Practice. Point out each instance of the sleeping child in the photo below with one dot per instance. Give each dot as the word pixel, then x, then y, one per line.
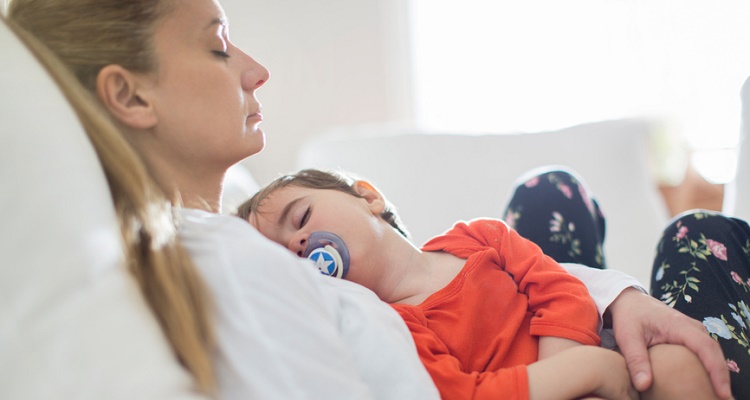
pixel 490 314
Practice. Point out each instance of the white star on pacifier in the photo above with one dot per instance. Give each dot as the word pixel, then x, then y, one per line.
pixel 322 264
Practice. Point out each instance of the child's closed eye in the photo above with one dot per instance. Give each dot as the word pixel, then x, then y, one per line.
pixel 305 218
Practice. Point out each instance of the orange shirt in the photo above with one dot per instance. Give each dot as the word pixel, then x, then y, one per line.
pixel 478 333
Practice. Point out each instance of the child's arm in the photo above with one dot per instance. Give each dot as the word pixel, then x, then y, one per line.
pixel 578 372
pixel 550 345
pixel 571 374
pixel 561 304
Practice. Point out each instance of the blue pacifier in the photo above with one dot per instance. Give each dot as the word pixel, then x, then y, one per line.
pixel 329 253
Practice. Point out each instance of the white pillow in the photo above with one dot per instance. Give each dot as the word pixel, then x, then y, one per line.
pixel 239 185
pixel 74 324
pixel 737 193
pixel 437 179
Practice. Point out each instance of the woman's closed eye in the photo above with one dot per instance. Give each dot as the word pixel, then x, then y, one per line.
pixel 221 53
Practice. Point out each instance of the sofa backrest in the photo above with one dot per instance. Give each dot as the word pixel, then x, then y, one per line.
pixel 437 179
pixel 73 323
pixel 737 192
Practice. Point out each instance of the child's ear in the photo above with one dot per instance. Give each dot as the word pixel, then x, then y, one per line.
pixel 374 198
pixel 120 92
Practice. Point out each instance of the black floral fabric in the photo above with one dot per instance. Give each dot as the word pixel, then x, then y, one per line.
pixel 701 268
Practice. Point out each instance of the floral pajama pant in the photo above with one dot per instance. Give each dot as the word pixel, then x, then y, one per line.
pixel 701 268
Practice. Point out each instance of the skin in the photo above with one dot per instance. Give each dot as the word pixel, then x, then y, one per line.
pixel 198 114
pixel 660 324
pixel 291 214
pixel 190 134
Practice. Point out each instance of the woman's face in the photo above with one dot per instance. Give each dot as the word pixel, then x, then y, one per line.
pixel 204 91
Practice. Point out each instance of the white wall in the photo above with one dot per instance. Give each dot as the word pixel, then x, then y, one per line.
pixel 332 62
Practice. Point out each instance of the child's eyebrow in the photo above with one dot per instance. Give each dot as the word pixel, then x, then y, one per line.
pixel 287 208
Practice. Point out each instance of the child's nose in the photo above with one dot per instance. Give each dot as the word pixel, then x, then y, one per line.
pixel 298 246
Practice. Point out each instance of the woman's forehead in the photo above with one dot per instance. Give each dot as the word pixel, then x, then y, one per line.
pixel 195 16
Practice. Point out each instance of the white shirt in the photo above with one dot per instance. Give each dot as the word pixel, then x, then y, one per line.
pixel 285 331
pixel 604 286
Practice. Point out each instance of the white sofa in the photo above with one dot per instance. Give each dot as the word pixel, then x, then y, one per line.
pixel 73 324
pixel 437 179
pixel 737 193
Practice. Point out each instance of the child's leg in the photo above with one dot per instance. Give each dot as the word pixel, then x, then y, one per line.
pixel 678 375
pixel 554 210
pixel 702 269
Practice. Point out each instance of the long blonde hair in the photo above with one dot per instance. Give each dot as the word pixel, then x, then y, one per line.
pixel 74 39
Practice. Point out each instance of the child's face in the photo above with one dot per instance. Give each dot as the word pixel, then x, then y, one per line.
pixel 289 215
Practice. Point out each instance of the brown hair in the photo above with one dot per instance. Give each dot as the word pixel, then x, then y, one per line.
pixel 74 39
pixel 317 179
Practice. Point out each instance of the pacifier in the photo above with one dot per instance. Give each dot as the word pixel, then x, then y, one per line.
pixel 329 253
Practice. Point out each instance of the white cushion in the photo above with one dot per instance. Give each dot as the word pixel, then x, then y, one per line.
pixel 239 185
pixel 74 324
pixel 437 179
pixel 737 193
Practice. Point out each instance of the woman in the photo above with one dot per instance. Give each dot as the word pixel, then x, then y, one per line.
pixel 273 332
pixel 169 104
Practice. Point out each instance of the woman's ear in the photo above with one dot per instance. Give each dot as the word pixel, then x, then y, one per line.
pixel 374 198
pixel 119 90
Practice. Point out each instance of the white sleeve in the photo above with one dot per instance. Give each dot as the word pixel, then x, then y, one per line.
pixel 286 331
pixel 604 285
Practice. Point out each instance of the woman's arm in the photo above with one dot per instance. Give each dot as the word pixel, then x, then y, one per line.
pixel 640 321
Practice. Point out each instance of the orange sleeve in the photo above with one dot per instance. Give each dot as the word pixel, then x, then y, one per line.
pixel 447 372
pixel 561 304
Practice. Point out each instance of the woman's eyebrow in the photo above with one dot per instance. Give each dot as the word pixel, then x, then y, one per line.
pixel 287 208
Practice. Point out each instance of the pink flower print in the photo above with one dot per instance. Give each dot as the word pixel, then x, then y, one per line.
pixel 736 277
pixel 532 182
pixel 733 366
pixel 565 189
pixel 718 249
pixel 681 233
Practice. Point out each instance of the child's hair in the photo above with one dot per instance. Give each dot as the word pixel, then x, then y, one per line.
pixel 317 179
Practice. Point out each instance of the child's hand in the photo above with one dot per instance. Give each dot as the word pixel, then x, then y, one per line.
pixel 550 345
pixel 612 375
pixel 581 371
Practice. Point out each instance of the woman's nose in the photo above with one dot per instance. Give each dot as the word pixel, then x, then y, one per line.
pixel 254 75
pixel 298 245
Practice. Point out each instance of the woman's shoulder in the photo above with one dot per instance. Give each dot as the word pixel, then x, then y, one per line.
pixel 216 241
pixel 195 221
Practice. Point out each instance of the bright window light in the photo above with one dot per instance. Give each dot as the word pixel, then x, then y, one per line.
pixel 508 66
pixel 717 166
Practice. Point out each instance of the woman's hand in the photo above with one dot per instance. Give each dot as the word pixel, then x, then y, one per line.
pixel 640 321
pixel 581 371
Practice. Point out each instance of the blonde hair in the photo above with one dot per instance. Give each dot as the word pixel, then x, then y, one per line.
pixel 74 39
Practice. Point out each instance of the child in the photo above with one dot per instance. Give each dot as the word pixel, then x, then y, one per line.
pixel 490 314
